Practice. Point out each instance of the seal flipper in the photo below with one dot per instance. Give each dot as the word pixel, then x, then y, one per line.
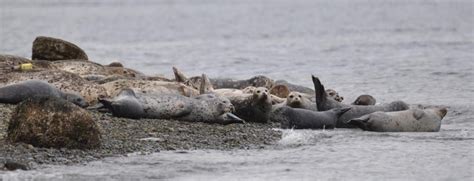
pixel 418 114
pixel 206 85
pixel 229 118
pixel 179 76
pixel 321 95
pixel 360 122
pixel 341 111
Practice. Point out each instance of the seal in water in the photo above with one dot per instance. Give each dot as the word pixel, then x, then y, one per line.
pixel 364 100
pixel 412 120
pixel 324 103
pixel 15 93
pixel 306 119
pixel 203 108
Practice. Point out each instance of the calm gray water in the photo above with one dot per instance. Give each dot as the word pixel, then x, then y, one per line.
pixel 417 51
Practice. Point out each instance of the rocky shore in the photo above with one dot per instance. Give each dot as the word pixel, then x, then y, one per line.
pixel 122 136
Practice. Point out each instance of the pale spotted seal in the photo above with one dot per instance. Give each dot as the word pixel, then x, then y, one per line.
pixel 412 120
pixel 203 108
pixel 324 103
pixel 15 93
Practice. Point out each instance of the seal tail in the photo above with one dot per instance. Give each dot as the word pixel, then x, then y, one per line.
pixel 206 85
pixel 320 92
pixel 179 76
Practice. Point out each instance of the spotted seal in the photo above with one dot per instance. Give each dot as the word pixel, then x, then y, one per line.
pixel 412 120
pixel 16 93
pixel 148 86
pixel 324 103
pixel 203 108
pixel 306 119
pixel 255 107
pixel 364 100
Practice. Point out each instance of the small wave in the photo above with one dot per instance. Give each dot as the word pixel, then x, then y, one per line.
pixel 292 137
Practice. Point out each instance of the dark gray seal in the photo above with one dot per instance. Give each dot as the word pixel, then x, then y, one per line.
pixel 412 120
pixel 15 93
pixel 364 100
pixel 324 103
pixel 295 118
pixel 203 108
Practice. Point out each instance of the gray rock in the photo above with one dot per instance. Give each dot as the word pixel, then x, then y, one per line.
pixel 48 48
pixel 53 122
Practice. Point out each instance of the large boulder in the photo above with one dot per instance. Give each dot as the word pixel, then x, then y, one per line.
pixel 47 48
pixel 53 122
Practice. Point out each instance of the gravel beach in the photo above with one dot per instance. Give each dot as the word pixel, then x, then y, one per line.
pixel 123 136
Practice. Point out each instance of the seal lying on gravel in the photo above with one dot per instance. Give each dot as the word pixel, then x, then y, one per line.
pixel 255 107
pixel 15 93
pixel 147 86
pixel 298 100
pixel 412 120
pixel 324 103
pixel 203 108
pixel 364 100
pixel 306 119
pixel 63 80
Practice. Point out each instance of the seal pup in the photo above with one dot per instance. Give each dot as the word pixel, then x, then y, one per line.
pixel 275 99
pixel 364 100
pixel 16 93
pixel 63 80
pixel 306 119
pixel 254 107
pixel 412 120
pixel 203 108
pixel 324 103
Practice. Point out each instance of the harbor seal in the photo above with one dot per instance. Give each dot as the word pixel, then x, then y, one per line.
pixel 255 107
pixel 203 108
pixel 256 81
pixel 298 100
pixel 364 100
pixel 16 93
pixel 295 118
pixel 148 86
pixel 63 80
pixel 324 103
pixel 412 120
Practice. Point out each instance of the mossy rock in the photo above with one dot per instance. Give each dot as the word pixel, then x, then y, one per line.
pixel 48 48
pixel 53 122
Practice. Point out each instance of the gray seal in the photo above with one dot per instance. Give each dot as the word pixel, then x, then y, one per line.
pixel 364 100
pixel 298 100
pixel 412 120
pixel 324 103
pixel 203 108
pixel 295 118
pixel 16 93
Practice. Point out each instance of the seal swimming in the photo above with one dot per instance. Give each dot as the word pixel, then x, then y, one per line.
pixel 295 118
pixel 203 108
pixel 15 93
pixel 412 120
pixel 324 103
